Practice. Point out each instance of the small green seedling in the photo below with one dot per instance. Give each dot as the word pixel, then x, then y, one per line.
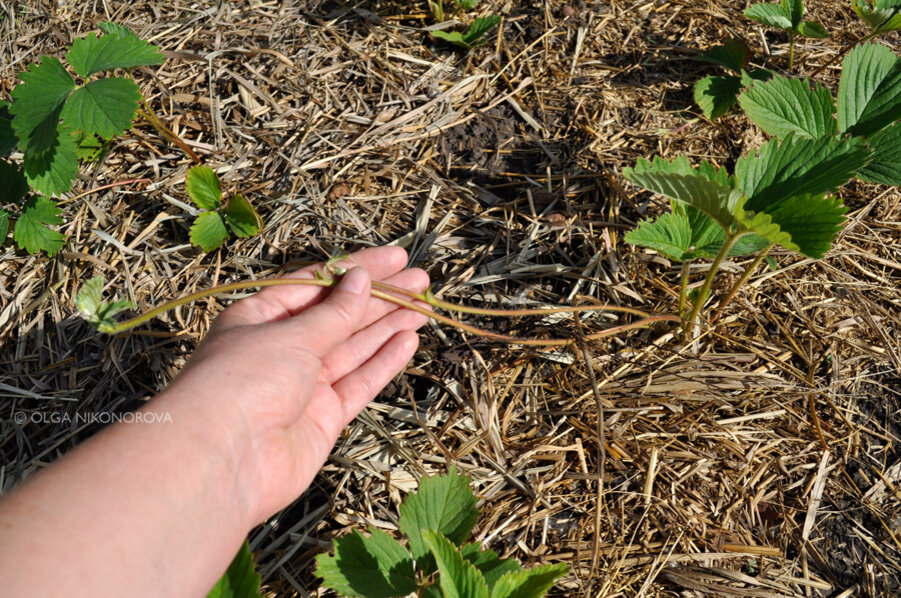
pixel 787 15
pixel 882 16
pixel 474 36
pixel 437 560
pixel 211 227
pixel 717 95
pixel 240 580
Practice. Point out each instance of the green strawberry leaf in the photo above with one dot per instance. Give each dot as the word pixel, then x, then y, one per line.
pixel 749 78
pixel 32 232
pixel 240 580
pixel 203 186
pixel 208 231
pixel 373 567
pixel 88 148
pixel 782 106
pixel 771 15
pixel 695 189
pixel 476 32
pixel 881 15
pixel 4 225
pixel 91 54
pixel 451 37
pixel 488 562
pixel 443 503
pixel 669 235
pixel 105 107
pixel 14 185
pixel 795 10
pixel 797 166
pixel 529 583
pixel 804 223
pixel 8 138
pixel 52 171
pixel 812 29
pixel 242 219
pixel 37 103
pixel 869 93
pixel 681 165
pixel 707 236
pixel 115 29
pixel 885 167
pixel 458 577
pixel 717 95
pixel 734 55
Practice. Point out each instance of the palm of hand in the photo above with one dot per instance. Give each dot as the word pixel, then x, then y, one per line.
pixel 291 366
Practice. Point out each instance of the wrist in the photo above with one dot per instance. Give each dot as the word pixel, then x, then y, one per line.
pixel 219 443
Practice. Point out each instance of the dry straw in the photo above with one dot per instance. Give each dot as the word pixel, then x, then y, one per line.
pixel 764 465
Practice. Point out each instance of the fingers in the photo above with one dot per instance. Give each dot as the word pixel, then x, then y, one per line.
pixel 413 280
pixel 358 349
pixel 277 303
pixel 333 320
pixel 362 385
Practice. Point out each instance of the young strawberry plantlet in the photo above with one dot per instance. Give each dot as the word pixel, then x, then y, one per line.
pixel 209 229
pixel 883 16
pixel 474 36
pixel 778 195
pixel 438 561
pixel 51 108
pixel 787 15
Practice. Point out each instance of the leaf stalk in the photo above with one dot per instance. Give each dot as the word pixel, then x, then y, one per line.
pixel 749 271
pixel 690 323
pixel 150 116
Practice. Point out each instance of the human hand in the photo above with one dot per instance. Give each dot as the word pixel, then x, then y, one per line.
pixel 281 373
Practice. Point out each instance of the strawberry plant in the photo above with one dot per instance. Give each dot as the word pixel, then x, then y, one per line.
pixel 51 109
pixel 717 95
pixel 56 119
pixel 883 16
pixel 474 36
pixel 211 227
pixel 787 15
pixel 780 194
pixel 437 561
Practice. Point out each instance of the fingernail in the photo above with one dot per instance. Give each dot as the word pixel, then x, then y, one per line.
pixel 354 281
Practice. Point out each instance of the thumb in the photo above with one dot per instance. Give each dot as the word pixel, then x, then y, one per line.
pixel 332 321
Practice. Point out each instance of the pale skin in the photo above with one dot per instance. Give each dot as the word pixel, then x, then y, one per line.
pixel 160 509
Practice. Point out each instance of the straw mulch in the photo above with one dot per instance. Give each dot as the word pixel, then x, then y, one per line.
pixel 766 464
